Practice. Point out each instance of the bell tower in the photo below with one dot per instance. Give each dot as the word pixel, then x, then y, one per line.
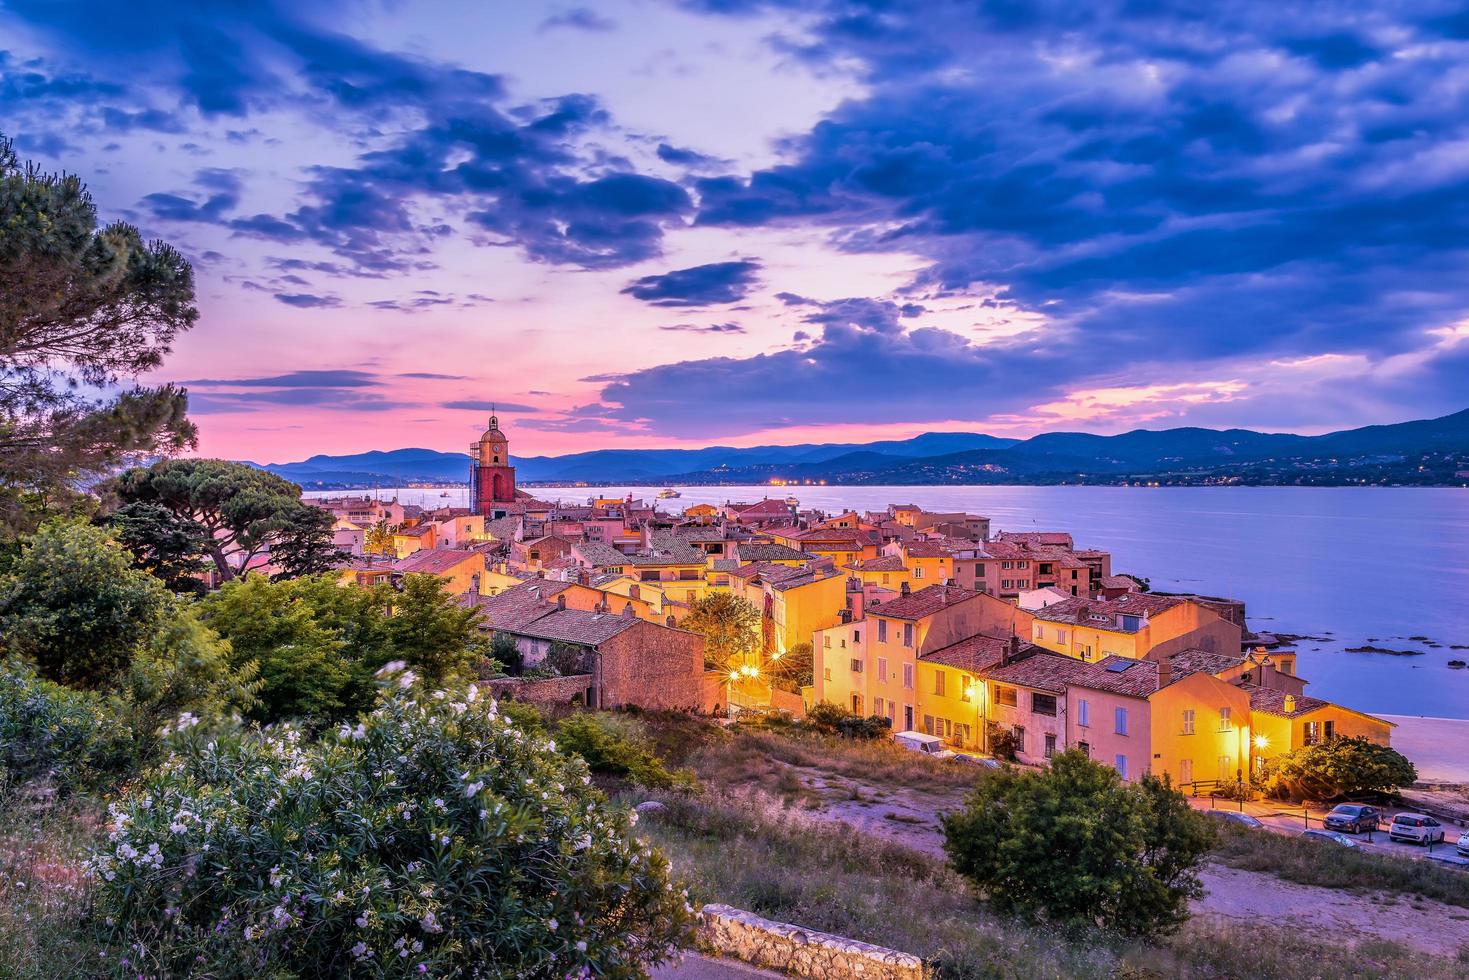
pixel 491 477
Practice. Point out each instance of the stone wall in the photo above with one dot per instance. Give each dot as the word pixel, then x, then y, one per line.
pixel 801 952
pixel 545 690
pixel 652 666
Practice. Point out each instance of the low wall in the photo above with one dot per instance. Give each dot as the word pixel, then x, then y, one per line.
pixel 544 690
pixel 801 952
pixel 792 704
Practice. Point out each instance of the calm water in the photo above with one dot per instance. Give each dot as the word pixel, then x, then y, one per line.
pixel 1350 565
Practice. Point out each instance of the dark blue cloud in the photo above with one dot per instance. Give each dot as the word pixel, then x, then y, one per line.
pixel 1164 183
pixel 579 18
pixel 700 285
pixel 482 405
pixel 308 301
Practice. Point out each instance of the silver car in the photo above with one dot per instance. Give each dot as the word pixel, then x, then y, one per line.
pixel 1330 836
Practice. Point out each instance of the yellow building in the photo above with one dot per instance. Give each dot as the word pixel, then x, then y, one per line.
pixel 793 602
pixel 1135 625
pixel 887 571
pixel 1285 722
pixel 928 562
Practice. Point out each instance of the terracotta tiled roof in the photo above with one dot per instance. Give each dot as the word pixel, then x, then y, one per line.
pixel 1118 582
pixel 884 563
pixel 781 577
pixel 766 507
pixel 517 605
pixel 1042 670
pixel 976 654
pixel 1272 702
pixel 433 561
pixel 576 626
pixel 924 602
pixel 758 551
pixel 1036 537
pixel 1103 613
pixel 925 549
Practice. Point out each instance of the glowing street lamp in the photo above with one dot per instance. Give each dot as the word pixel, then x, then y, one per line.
pixel 1262 742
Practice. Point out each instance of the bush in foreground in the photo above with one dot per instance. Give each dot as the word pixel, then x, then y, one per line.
pixel 1080 846
pixel 434 837
pixel 52 733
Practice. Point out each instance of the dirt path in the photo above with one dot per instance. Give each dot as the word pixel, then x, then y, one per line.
pixel 910 817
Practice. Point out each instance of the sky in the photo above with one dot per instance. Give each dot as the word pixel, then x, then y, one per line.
pixel 686 222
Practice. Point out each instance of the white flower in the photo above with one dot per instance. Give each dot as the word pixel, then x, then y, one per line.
pixel 429 923
pixel 391 667
pixel 406 681
pixel 473 788
pixel 552 924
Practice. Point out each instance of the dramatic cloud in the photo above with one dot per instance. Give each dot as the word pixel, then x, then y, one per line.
pixel 701 285
pixel 295 379
pixel 579 18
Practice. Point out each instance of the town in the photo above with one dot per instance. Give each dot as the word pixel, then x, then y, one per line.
pixel 965 639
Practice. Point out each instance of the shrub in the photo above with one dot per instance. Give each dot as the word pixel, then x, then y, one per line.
pixel 617 747
pixel 504 651
pixel 833 719
pixel 1003 742
pixel 1078 845
pixel 74 605
pixel 51 732
pixel 1339 767
pixel 432 837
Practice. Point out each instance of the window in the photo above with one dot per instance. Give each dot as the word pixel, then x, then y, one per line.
pixel 965 682
pixel 1312 732
pixel 1185 771
pixel 1043 704
pixel 885 578
pixel 1086 651
pixel 1060 636
pixel 979 571
pixel 908 676
pixel 1006 564
pixel 856 636
pixel 856 666
pixel 918 571
pixel 1086 748
pixel 1121 763
pixel 882 668
pixel 1083 712
pixel 907 634
pixel 928 724
pixel 938 683
pixel 877 706
pixel 891 706
pixel 826 642
pixel 1006 695
pixel 1019 731
pixel 1050 745
pixel 882 631
pixel 1022 564
pixel 1119 721
pixel 826 673
pixel 1188 721
pixel 1330 730
pixel 1040 631
pixel 1225 722
pixel 1226 767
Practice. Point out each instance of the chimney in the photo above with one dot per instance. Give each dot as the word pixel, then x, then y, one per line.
pixel 1290 703
pixel 906 589
pixel 561 601
pixel 633 592
pixel 1165 672
pixel 474 586
pixel 627 612
pixel 846 616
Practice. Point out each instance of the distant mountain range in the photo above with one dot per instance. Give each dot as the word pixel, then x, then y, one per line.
pixel 1425 452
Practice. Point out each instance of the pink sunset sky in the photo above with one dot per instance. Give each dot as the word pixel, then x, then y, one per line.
pixel 658 223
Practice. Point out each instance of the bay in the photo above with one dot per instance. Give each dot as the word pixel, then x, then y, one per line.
pixel 1351 566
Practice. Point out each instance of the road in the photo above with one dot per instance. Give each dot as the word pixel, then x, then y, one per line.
pixel 1286 819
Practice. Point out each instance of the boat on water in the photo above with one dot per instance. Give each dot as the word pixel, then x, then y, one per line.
pixel 444 494
pixel 793 502
pixel 668 493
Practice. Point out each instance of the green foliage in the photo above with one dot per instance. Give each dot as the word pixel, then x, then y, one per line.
pixel 504 651
pixel 833 719
pixel 1003 742
pixel 168 546
pixel 298 640
pixel 730 627
pixel 434 837
pixel 316 643
pixel 1078 845
pixel 617 746
pixel 74 605
pixel 78 304
pixel 379 538
pixel 244 512
pixel 565 660
pixel 1339 767
pixel 53 733
pixel 430 630
pixel 794 670
pixel 525 717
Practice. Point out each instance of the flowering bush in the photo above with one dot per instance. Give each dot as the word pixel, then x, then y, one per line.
pixel 55 733
pixel 434 837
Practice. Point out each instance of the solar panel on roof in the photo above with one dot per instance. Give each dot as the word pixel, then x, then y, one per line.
pixel 1118 666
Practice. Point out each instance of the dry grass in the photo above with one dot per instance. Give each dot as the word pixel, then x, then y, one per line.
pixel 1328 865
pixel 754 853
pixel 43 891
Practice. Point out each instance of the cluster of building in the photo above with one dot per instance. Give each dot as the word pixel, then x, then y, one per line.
pixel 990 640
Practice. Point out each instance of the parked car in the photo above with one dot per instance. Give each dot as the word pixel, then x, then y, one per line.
pixel 1330 835
pixel 976 760
pixel 1234 816
pixel 1415 828
pixel 1353 818
pixel 929 745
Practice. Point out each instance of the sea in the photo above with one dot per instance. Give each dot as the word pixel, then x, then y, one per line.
pixel 1341 567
